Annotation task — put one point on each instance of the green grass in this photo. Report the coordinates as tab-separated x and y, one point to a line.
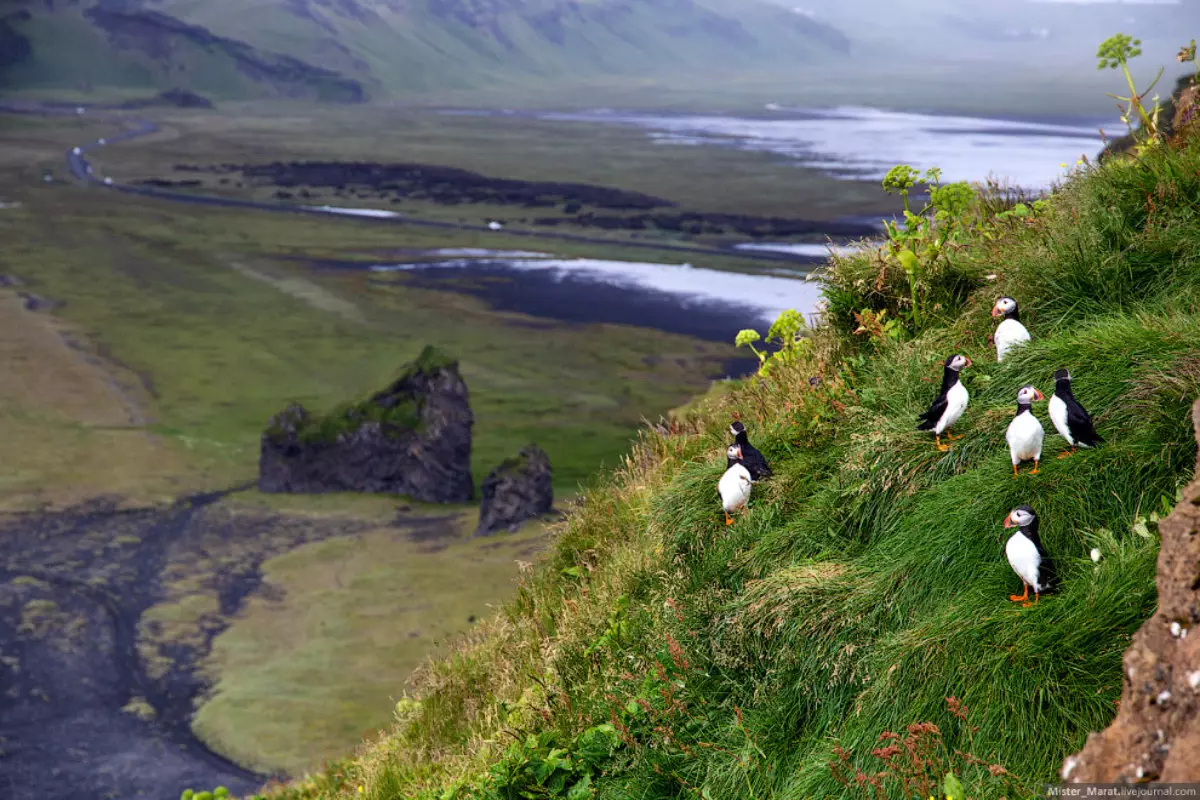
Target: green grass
197	302
867	582
274	706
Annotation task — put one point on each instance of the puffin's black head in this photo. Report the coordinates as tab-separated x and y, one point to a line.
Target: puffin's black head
1062	375
1027	394
737	428
956	363
1005	307
1020	517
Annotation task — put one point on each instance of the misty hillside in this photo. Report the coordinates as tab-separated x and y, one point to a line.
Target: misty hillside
1058	31
352	49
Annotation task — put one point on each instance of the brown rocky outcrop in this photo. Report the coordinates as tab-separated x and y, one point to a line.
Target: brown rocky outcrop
1156	735
412	438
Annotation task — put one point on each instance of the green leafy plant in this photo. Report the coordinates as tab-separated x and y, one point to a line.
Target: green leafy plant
919	244
216	794
543	766
1115	52
788	332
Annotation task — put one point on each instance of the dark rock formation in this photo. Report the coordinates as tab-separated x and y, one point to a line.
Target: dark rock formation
34	302
412	438
517	490
1156	735
14	46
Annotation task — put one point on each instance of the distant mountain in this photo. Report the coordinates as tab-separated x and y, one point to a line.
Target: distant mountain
351	49
1053	31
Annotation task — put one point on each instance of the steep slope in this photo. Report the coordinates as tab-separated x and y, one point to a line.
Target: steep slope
1156	734
860	608
393	45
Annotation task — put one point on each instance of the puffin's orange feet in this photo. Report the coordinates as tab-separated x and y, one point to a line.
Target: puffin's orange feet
1035	468
1026	604
952	438
728	519
1067	453
1020	598
1015	473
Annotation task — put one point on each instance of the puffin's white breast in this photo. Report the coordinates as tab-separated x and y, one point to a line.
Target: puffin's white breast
734	487
1008	334
1025	559
956	403
1058	415
1025	437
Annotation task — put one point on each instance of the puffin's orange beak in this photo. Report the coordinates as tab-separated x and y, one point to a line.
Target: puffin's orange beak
967	360
1038	395
996	312
1008	523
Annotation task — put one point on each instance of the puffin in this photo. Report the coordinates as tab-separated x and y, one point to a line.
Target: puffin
1025	432
1070	418
1010	332
950	403
734	486
1026	555
751	458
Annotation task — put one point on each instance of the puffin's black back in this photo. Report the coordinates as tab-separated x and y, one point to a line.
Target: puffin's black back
929	420
752	459
1079	422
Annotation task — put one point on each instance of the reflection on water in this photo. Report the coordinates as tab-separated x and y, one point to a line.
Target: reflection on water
814	250
864	143
758	298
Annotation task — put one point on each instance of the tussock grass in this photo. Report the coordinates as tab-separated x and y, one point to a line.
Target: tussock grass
867	581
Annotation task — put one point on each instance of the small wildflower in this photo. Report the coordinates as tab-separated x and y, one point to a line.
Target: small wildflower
1194	679
1063	165
991	277
1095	554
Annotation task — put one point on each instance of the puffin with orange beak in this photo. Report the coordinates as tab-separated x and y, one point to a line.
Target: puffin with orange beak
950	403
1025	433
735	485
1026	555
1010	332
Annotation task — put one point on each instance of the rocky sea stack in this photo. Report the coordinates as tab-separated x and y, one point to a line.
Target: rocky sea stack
412	438
517	490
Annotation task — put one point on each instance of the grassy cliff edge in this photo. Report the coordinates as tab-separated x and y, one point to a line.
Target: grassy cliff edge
859	609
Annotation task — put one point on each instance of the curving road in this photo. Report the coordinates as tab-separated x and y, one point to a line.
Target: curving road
83	170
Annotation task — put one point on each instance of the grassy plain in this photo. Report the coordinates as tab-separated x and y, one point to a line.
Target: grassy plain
173	333
711	179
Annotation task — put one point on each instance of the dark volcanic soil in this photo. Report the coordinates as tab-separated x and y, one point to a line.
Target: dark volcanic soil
95	701
577	202
438	184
